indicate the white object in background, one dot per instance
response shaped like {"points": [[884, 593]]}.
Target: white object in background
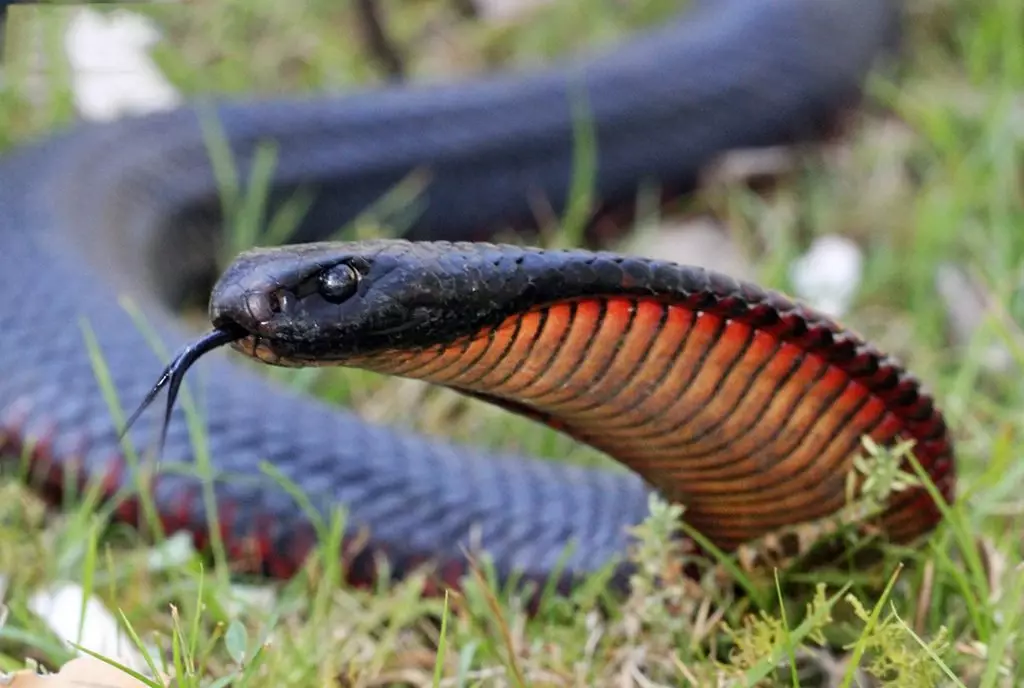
{"points": [[969, 305], [507, 10], [112, 74], [60, 607], [828, 275]]}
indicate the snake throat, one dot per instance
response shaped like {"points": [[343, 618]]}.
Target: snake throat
{"points": [[749, 431]]}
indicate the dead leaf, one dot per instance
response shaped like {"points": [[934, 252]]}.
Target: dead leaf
{"points": [[83, 672]]}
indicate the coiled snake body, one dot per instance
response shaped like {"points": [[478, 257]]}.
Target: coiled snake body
{"points": [[737, 402]]}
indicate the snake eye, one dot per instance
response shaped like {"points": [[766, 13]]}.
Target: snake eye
{"points": [[338, 283]]}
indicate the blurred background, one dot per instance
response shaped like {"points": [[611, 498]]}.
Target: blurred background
{"points": [[906, 223]]}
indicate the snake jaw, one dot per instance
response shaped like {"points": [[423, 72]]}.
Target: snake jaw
{"points": [[174, 374]]}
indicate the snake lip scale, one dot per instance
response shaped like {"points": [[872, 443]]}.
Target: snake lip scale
{"points": [[733, 399]]}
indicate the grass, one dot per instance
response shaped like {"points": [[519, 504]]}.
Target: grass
{"points": [[930, 174]]}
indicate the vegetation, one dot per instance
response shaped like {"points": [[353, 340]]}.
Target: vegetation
{"points": [[927, 178]]}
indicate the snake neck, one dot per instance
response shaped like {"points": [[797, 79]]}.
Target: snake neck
{"points": [[750, 431]]}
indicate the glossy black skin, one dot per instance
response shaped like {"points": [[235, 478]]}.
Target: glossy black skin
{"points": [[101, 215], [413, 295]]}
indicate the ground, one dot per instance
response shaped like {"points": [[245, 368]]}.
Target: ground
{"points": [[926, 180]]}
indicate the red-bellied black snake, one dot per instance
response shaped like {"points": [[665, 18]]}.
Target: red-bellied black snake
{"points": [[740, 404]]}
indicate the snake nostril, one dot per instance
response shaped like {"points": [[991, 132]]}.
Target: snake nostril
{"points": [[262, 307]]}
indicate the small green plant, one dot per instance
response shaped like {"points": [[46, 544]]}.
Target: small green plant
{"points": [[894, 656]]}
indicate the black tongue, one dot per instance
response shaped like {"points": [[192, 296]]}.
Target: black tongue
{"points": [[174, 374]]}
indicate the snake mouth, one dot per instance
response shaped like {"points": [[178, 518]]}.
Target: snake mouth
{"points": [[174, 373], [267, 350]]}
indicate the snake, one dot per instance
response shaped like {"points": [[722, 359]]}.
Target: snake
{"points": [[735, 401]]}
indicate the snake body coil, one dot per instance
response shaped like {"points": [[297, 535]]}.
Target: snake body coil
{"points": [[132, 208]]}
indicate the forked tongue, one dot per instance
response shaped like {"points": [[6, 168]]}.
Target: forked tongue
{"points": [[174, 374]]}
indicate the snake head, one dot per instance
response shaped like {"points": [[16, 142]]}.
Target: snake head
{"points": [[326, 304], [335, 303], [314, 304]]}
